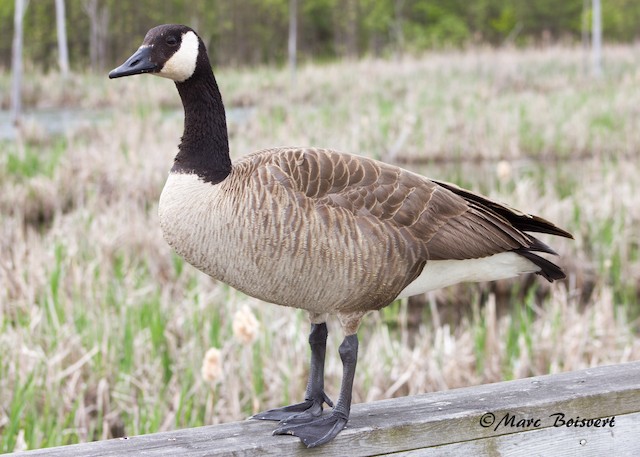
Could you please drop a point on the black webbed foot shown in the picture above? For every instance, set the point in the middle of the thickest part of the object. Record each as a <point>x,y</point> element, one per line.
<point>315,432</point>
<point>305,411</point>
<point>305,420</point>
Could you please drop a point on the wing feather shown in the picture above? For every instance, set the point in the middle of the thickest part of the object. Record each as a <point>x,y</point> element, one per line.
<point>439,218</point>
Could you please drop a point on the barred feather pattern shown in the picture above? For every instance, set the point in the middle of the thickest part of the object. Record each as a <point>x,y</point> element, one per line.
<point>335,233</point>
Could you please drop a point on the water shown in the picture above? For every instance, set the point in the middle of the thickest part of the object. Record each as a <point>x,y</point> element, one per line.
<point>51,122</point>
<point>63,120</point>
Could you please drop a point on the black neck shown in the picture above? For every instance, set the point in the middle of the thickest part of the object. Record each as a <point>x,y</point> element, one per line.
<point>204,148</point>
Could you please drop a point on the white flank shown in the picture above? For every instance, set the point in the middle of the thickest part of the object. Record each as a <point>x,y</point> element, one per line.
<point>182,64</point>
<point>443,273</point>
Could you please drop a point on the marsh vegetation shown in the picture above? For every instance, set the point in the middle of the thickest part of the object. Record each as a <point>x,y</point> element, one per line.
<point>103,331</point>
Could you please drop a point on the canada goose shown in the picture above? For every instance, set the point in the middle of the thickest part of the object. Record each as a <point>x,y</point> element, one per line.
<point>328,232</point>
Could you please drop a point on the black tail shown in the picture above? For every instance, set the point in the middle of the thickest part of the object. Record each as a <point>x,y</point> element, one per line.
<point>548,270</point>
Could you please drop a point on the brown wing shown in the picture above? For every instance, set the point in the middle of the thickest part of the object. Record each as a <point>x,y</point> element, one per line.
<point>445,223</point>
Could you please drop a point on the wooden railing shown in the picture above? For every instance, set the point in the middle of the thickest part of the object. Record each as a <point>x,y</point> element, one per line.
<point>594,412</point>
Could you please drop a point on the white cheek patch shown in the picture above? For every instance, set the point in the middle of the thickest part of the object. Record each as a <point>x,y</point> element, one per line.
<point>182,64</point>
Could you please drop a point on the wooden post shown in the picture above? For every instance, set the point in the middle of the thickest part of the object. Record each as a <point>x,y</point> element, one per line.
<point>293,39</point>
<point>585,34</point>
<point>63,48</point>
<point>398,27</point>
<point>596,41</point>
<point>98,26</point>
<point>16,62</point>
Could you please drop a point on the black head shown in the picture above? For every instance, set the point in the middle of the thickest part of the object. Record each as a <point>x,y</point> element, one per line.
<point>171,50</point>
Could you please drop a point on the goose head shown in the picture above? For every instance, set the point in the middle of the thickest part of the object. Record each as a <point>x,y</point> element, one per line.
<point>176,52</point>
<point>172,51</point>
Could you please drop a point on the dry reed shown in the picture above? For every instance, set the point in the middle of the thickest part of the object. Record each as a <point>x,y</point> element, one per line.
<point>103,331</point>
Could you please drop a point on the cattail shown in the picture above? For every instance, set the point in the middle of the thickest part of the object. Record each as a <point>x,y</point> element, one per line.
<point>21,443</point>
<point>245,325</point>
<point>504,171</point>
<point>212,365</point>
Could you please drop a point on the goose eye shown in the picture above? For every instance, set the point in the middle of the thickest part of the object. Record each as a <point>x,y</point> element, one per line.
<point>171,40</point>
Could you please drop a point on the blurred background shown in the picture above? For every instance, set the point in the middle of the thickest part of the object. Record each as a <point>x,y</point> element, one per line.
<point>249,32</point>
<point>104,332</point>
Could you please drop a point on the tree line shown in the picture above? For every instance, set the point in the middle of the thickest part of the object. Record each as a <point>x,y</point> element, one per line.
<point>243,32</point>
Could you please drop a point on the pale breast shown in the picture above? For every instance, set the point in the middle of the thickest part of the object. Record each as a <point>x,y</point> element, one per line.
<point>187,209</point>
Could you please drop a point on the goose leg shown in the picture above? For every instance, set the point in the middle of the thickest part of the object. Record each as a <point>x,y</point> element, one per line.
<point>314,396</point>
<point>323,429</point>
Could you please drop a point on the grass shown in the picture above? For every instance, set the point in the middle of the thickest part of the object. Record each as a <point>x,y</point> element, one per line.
<point>103,330</point>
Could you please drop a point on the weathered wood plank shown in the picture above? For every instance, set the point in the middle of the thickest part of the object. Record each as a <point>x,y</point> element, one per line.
<point>439,419</point>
